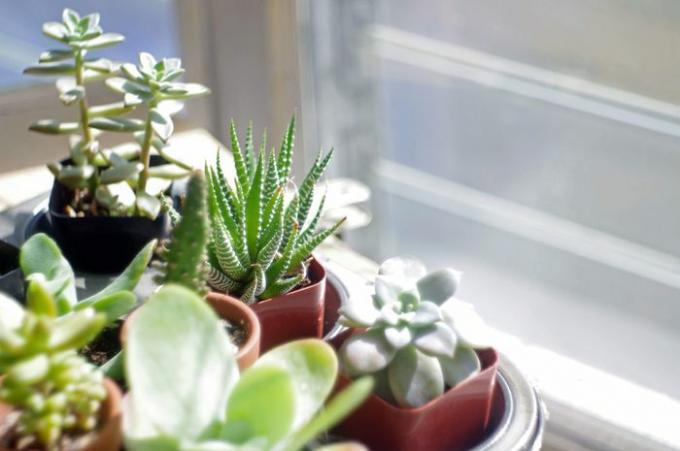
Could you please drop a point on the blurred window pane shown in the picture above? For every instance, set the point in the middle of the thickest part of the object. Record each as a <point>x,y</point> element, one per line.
<point>148,25</point>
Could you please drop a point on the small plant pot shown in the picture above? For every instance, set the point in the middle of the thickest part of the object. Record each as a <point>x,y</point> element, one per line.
<point>100,244</point>
<point>107,437</point>
<point>11,280</point>
<point>456,420</point>
<point>233,311</point>
<point>294,315</point>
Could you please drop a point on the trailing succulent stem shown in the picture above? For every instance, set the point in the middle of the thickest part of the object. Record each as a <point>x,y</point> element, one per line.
<point>418,338</point>
<point>54,390</point>
<point>185,257</point>
<point>260,244</point>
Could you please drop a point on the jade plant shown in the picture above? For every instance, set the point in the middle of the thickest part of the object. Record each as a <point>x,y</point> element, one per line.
<point>41,260</point>
<point>117,181</point>
<point>415,336</point>
<point>261,242</point>
<point>55,392</point>
<point>203,404</point>
<point>184,255</point>
<point>151,84</point>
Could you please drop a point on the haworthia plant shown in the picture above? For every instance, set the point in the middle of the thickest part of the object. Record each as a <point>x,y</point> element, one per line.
<point>184,258</point>
<point>418,337</point>
<point>203,404</point>
<point>55,392</point>
<point>116,181</point>
<point>260,242</point>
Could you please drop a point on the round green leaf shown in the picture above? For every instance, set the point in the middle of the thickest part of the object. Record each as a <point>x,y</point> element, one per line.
<point>463,365</point>
<point>366,353</point>
<point>436,340</point>
<point>438,286</point>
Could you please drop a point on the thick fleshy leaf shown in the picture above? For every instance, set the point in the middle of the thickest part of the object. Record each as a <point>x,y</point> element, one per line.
<point>52,127</point>
<point>170,399</point>
<point>51,56</point>
<point>168,171</point>
<point>39,300</point>
<point>129,278</point>
<point>119,198</point>
<point>110,109</point>
<point>415,378</point>
<point>463,365</point>
<point>313,367</point>
<point>388,316</point>
<point>55,30</point>
<point>358,309</point>
<point>405,268</point>
<point>113,306</point>
<point>121,172</point>
<point>123,86</point>
<point>75,330</point>
<point>56,68</point>
<point>438,286</point>
<point>29,371</point>
<point>161,123</point>
<point>72,95</point>
<point>426,313</point>
<point>398,337</point>
<point>437,340</point>
<point>155,186</point>
<point>148,206</point>
<point>337,409</point>
<point>468,325</point>
<point>102,41</point>
<point>387,289</point>
<point>366,353</point>
<point>11,313</point>
<point>41,255</point>
<point>76,176</point>
<point>185,91</point>
<point>117,124</point>
<point>264,399</point>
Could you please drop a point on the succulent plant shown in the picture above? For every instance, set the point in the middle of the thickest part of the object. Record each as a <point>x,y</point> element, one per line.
<point>185,256</point>
<point>260,242</point>
<point>54,390</point>
<point>203,403</point>
<point>41,260</point>
<point>152,84</point>
<point>117,181</point>
<point>416,337</point>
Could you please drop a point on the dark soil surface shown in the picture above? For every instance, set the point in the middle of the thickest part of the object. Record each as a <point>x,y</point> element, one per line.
<point>105,346</point>
<point>238,332</point>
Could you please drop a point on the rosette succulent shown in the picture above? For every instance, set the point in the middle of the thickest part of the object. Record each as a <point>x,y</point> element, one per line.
<point>261,242</point>
<point>415,336</point>
<point>53,389</point>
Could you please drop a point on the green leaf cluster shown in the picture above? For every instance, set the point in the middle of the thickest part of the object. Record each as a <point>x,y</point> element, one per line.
<point>119,179</point>
<point>277,404</point>
<point>416,337</point>
<point>260,241</point>
<point>54,390</point>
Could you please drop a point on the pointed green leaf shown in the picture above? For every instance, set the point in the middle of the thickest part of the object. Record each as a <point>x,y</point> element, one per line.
<point>285,158</point>
<point>113,305</point>
<point>117,124</point>
<point>254,210</point>
<point>103,41</point>
<point>239,162</point>
<point>52,127</point>
<point>55,68</point>
<point>75,330</point>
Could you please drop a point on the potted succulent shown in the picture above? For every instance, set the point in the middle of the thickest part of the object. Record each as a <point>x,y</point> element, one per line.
<point>429,354</point>
<point>105,201</point>
<point>41,260</point>
<point>183,263</point>
<point>50,397</point>
<point>277,404</point>
<point>262,238</point>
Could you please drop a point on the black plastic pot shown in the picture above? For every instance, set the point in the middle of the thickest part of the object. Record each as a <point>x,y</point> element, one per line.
<point>100,244</point>
<point>11,280</point>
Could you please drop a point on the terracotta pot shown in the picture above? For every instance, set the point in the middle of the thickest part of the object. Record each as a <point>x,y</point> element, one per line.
<point>232,310</point>
<point>297,314</point>
<point>108,437</point>
<point>456,420</point>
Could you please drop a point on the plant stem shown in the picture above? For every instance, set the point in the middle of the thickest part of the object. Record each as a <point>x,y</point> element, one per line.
<point>145,156</point>
<point>84,114</point>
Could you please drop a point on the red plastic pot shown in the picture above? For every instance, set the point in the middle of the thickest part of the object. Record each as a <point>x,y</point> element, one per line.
<point>108,437</point>
<point>297,314</point>
<point>454,421</point>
